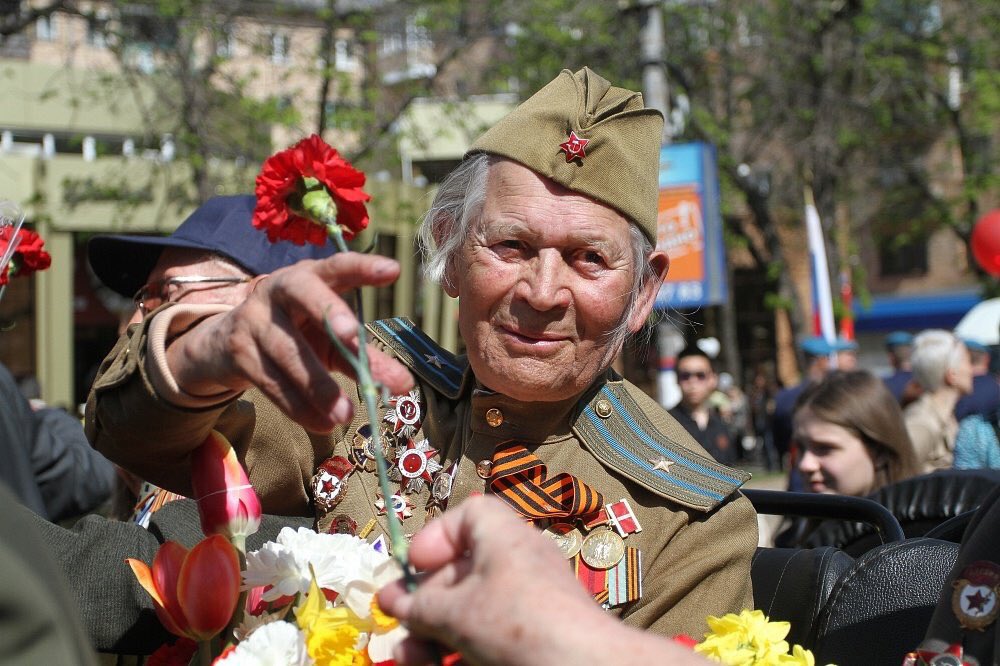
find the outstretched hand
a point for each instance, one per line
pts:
(276, 341)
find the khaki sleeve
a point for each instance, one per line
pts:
(133, 426)
(924, 439)
(704, 569)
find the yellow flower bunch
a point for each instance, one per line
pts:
(749, 639)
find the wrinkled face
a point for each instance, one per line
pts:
(834, 460)
(542, 278)
(696, 380)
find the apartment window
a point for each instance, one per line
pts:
(903, 258)
(346, 59)
(280, 44)
(97, 35)
(45, 28)
(224, 45)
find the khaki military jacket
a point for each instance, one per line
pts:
(697, 538)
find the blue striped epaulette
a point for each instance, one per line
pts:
(414, 348)
(616, 430)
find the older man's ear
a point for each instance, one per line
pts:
(660, 263)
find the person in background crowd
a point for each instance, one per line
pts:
(697, 379)
(977, 444)
(985, 397)
(817, 352)
(47, 461)
(942, 367)
(761, 400)
(847, 353)
(851, 433)
(899, 346)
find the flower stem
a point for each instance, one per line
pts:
(205, 653)
(229, 635)
(369, 394)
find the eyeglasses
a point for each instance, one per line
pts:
(700, 375)
(153, 295)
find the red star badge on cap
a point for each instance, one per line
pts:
(574, 147)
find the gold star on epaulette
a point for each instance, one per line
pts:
(661, 464)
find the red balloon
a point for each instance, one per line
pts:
(985, 242)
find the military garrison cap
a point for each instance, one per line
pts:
(590, 137)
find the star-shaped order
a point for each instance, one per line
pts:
(574, 147)
(416, 466)
(404, 414)
(401, 504)
(661, 464)
(434, 360)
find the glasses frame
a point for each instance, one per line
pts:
(161, 286)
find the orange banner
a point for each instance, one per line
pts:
(681, 233)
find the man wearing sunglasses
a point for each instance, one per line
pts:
(697, 380)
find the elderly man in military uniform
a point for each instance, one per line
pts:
(546, 233)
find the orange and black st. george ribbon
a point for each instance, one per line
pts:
(519, 479)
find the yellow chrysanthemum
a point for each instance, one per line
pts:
(746, 639)
(331, 633)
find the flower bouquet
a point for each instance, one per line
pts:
(305, 598)
(748, 639)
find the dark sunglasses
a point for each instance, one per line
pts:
(683, 376)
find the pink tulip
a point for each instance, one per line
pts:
(194, 592)
(227, 502)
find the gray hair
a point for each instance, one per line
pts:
(459, 201)
(935, 351)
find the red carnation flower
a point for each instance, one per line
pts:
(685, 640)
(29, 254)
(283, 184)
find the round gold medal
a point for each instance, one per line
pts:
(602, 549)
(566, 537)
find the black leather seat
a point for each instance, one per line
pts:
(879, 609)
(919, 504)
(793, 584)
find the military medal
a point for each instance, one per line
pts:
(401, 504)
(974, 599)
(623, 518)
(602, 549)
(441, 488)
(329, 483)
(415, 465)
(363, 449)
(566, 537)
(405, 414)
(574, 147)
(625, 579)
(342, 524)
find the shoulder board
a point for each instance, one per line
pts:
(415, 349)
(616, 430)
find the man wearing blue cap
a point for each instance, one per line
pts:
(899, 346)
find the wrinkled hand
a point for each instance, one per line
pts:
(276, 341)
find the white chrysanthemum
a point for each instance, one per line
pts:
(274, 644)
(252, 623)
(284, 563)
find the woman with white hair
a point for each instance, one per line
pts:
(943, 368)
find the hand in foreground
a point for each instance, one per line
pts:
(500, 593)
(276, 340)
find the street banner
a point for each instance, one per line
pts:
(689, 227)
